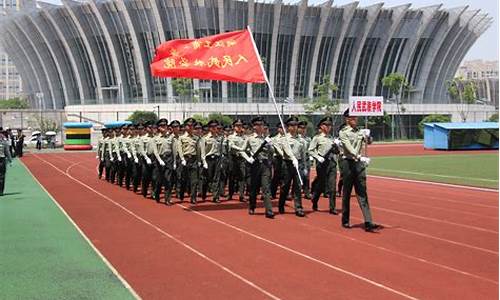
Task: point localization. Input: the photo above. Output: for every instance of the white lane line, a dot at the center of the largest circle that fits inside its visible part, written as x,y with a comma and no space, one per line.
419,259
265,292
433,175
369,281
436,183
110,266
404,230
435,220
301,254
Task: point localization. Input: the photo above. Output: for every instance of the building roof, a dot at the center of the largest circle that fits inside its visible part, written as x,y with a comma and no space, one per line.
468,125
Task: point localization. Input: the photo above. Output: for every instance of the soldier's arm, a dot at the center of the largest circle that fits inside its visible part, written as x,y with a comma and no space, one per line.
179,149
133,144
243,152
285,146
110,148
126,144
346,143
155,150
202,148
313,151
175,150
116,147
143,150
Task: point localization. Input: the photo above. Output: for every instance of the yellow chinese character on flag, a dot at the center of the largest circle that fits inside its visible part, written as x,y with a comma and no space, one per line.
169,63
231,43
184,62
196,44
208,44
198,63
174,52
219,44
227,61
213,61
240,59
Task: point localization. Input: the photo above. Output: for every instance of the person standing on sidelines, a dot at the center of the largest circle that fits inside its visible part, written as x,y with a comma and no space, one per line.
354,171
5,158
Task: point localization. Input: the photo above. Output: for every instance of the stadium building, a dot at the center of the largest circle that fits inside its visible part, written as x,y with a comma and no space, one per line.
84,54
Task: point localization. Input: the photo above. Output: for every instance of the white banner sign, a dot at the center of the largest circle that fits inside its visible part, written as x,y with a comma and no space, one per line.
366,106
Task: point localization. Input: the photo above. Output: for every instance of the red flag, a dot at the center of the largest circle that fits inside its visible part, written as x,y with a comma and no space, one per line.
227,56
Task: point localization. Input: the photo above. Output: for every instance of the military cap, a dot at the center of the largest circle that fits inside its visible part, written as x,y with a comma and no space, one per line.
303,123
278,125
175,123
131,126
140,126
205,127
212,123
257,120
227,127
237,122
162,122
346,113
197,125
189,121
292,121
325,120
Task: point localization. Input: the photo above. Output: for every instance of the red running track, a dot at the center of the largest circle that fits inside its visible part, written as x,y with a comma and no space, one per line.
438,241
414,150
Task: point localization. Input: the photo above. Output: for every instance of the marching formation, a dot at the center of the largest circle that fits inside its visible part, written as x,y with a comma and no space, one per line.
242,161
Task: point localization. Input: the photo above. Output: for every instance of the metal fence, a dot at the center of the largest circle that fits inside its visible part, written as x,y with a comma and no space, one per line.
390,129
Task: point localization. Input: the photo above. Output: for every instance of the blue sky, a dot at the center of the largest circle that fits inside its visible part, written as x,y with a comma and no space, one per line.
486,47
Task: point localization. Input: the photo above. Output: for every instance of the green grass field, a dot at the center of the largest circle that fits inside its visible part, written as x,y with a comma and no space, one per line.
42,255
479,170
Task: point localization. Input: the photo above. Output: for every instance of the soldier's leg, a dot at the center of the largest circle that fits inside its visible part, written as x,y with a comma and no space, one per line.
101,167
146,178
242,178
348,183
276,175
128,172
214,177
319,185
360,188
136,175
3,170
266,188
168,178
231,185
158,178
205,181
297,192
194,179
331,184
254,185
285,186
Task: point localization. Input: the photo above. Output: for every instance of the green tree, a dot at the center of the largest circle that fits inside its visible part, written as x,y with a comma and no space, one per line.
493,118
14,103
463,92
183,87
397,85
433,119
199,118
223,119
140,116
322,102
44,124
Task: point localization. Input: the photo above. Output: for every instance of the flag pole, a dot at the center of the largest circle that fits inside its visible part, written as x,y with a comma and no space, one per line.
271,93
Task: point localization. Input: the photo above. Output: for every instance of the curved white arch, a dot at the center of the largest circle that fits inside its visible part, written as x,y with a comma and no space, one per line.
372,13
67,7
397,16
68,51
326,8
62,76
146,93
